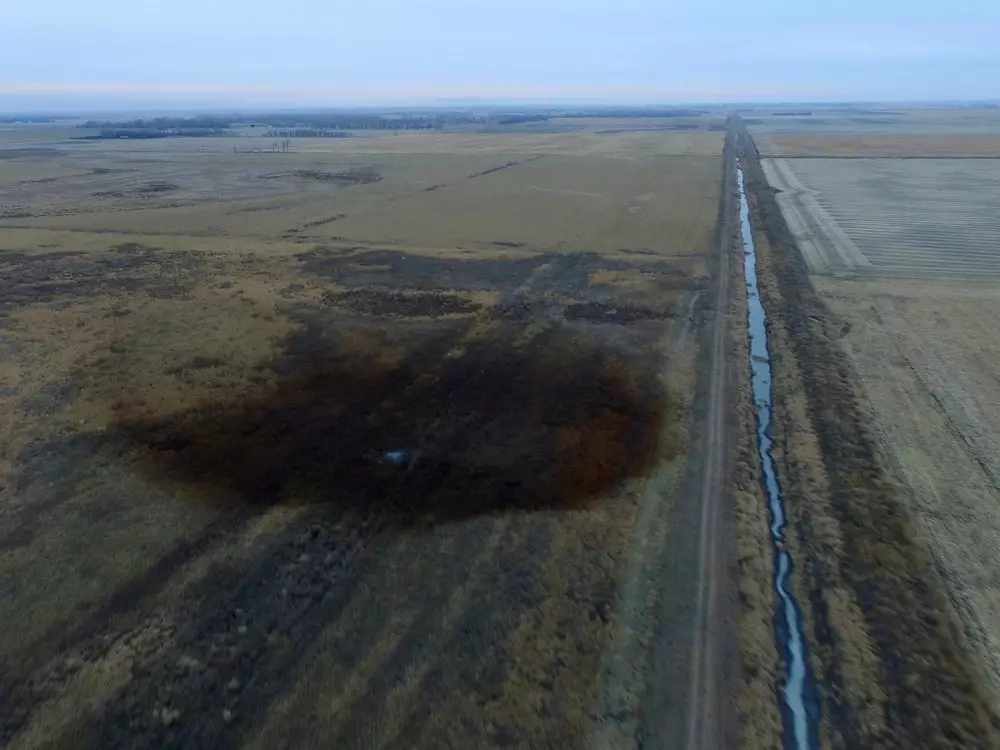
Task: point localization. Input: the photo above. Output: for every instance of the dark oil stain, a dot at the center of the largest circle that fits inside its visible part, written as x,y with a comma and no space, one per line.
129,269
19,536
434,438
418,271
413,304
345,178
158,187
502,167
196,363
544,274
597,312
53,396
15,257
445,433
131,248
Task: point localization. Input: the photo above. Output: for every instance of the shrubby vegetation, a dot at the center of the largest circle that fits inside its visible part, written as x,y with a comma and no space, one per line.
306,133
206,122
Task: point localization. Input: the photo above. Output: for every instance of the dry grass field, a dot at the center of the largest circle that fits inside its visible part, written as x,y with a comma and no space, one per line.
880,145
548,192
343,446
631,143
922,218
767,122
882,282
878,132
926,354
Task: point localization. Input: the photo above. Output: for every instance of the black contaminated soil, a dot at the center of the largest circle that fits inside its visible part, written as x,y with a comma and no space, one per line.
64,276
459,433
621,313
414,304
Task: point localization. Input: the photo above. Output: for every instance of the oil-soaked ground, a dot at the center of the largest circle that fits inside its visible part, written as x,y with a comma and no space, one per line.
555,423
370,499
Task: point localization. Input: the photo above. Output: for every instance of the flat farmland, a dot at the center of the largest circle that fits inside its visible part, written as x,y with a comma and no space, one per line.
874,130
903,256
860,145
926,353
347,446
928,218
563,198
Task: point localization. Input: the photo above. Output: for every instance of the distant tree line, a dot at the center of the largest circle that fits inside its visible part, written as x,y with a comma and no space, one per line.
515,119
28,119
334,124
105,133
637,112
306,133
159,127
164,123
335,121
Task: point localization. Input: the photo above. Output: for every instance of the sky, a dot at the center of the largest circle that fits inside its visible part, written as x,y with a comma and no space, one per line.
122,54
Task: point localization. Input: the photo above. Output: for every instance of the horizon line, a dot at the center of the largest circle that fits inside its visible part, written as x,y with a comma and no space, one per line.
101,95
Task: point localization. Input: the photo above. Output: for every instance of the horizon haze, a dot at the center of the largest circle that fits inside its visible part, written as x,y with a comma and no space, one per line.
58,55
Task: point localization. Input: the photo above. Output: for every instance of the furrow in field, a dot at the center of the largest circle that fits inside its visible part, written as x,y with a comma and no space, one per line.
918,217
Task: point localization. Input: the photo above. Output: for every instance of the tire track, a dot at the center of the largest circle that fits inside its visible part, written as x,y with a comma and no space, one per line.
684,705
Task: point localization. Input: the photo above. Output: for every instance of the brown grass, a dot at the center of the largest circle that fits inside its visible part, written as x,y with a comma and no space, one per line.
663,204
932,697
579,144
926,355
906,145
855,680
759,719
201,398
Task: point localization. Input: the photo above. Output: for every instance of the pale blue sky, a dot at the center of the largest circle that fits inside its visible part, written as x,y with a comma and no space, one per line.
105,53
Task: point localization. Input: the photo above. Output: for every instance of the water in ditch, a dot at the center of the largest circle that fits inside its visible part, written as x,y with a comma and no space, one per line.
798,696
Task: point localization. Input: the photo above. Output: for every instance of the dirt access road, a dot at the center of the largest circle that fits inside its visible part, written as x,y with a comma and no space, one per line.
706,712
707,727
690,688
